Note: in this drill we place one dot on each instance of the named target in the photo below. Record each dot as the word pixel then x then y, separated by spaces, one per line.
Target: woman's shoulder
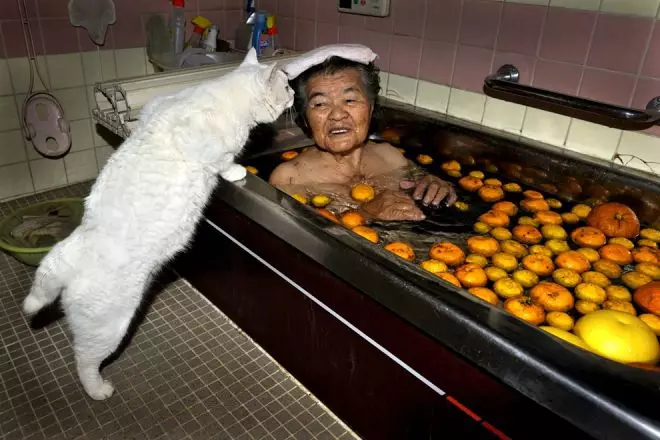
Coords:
pixel 290 172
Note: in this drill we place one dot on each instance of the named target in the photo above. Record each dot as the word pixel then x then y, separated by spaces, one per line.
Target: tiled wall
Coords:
pixel 71 64
pixel 439 51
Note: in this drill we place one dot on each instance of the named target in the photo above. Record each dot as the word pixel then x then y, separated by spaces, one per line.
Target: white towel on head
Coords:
pixel 354 52
pixel 93 15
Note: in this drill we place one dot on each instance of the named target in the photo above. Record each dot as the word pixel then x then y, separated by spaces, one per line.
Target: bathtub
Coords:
pixel 390 349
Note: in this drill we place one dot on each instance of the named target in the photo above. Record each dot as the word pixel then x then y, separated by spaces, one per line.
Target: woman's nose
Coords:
pixel 337 112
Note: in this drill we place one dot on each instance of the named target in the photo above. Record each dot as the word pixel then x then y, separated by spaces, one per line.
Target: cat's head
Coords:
pixel 272 88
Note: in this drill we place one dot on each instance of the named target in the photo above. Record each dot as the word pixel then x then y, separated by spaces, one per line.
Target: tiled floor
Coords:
pixel 188 373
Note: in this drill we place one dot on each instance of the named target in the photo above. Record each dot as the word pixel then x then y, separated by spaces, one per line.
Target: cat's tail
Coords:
pixel 49 280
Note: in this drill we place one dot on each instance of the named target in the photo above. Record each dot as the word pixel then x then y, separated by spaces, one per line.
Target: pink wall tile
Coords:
pixel 326 33
pixel 306 9
pixel 652 61
pixel 408 17
pixel 270 6
pixel 472 65
pixel 14 41
pixel 611 87
pixel 559 77
pixel 234 18
pixel 520 29
pixel 442 20
pixel 437 63
pixel 619 42
pixel 479 23
pixel 381 44
pixel 286 31
pixel 405 55
pixel 305 35
pixel 235 4
pixel 646 90
pixel 128 32
pixel 380 24
pixel 2 47
pixel 216 17
pixel 8 10
pixel 51 8
pixel 59 36
pixel 350 35
pixel 326 12
pixel 566 35
pixel 352 20
pixel 286 8
pixel 207 5
pixel 524 63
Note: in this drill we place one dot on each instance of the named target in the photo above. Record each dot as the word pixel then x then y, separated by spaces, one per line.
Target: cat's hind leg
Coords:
pixel 98 328
pixel 49 280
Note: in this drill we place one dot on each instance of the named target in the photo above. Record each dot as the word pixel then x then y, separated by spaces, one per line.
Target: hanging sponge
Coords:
pixel 93 15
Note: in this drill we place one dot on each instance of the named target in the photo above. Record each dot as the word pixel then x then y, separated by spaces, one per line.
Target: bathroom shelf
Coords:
pixel 504 85
pixel 118 103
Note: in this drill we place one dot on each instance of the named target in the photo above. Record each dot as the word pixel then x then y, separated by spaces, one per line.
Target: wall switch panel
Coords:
pixel 376 8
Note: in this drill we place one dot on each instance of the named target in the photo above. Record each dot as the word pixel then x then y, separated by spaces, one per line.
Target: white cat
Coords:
pixel 146 203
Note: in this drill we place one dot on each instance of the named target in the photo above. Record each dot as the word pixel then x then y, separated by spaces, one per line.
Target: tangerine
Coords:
pixel 548 218
pixel 552 297
pixel 433 266
pixel 352 219
pixel 450 278
pixel 485 294
pixel 573 260
pixel 471 275
pixel 609 268
pixel 527 234
pixel 506 207
pixel 525 309
pixel 327 214
pixel 482 245
pixel 491 193
pixel 532 195
pixel 511 187
pixel 617 253
pixel 448 253
pixel 401 249
pixel 534 205
pixel 495 219
pixel 508 288
pixel 288 155
pixel 367 233
pixel 424 159
pixel 363 192
pixel 586 236
pixel 570 218
pixel 539 264
pixel 470 183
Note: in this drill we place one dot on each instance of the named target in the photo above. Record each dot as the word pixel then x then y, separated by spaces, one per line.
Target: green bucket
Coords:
pixel 28 234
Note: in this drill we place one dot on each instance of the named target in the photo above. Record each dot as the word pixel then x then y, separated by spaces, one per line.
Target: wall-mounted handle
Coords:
pixel 504 85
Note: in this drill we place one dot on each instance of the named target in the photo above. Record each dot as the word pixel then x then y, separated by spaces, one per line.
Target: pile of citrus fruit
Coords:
pixel 589 275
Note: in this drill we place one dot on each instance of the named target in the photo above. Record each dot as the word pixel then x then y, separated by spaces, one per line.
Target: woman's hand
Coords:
pixel 393 205
pixel 431 190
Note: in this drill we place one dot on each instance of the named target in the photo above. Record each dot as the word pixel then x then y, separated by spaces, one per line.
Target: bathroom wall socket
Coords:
pixel 376 8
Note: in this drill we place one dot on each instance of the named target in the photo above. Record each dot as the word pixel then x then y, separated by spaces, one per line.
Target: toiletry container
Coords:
pixel 178 25
pixel 211 37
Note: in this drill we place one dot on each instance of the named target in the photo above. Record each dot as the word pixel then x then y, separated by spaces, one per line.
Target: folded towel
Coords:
pixel 354 52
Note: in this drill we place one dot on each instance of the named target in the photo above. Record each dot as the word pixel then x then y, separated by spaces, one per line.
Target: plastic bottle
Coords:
pixel 178 25
pixel 211 37
pixel 272 31
pixel 258 28
pixel 201 25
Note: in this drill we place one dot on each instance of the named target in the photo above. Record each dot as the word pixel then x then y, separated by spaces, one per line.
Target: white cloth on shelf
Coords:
pixel 353 52
pixel 93 15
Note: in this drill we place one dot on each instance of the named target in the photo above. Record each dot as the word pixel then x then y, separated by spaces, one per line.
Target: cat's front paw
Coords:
pixel 234 173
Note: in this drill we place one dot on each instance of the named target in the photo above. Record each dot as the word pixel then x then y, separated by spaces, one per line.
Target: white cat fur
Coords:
pixel 146 203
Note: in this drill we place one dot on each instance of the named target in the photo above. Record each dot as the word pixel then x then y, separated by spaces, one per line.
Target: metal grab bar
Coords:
pixel 504 85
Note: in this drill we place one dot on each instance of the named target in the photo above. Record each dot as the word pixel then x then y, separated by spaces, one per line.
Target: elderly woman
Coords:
pixel 334 101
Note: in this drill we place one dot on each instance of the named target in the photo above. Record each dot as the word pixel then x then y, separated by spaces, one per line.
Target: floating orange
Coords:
pixel 352 219
pixel 527 234
pixel 525 309
pixel 490 193
pixel 471 275
pixel 506 207
pixel 553 297
pixel 573 260
pixel 366 232
pixel 617 253
pixel 587 236
pixel 470 183
pixel 482 245
pixel 534 205
pixel 548 218
pixel 288 155
pixel 401 249
pixel 363 192
pixel 533 195
pixel 614 220
pixel 449 277
pixel 485 294
pixel 645 255
pixel 448 253
pixel 495 219
pixel 327 214
pixel 539 264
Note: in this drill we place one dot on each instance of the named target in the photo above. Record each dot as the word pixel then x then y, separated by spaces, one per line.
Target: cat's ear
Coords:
pixel 250 58
pixel 267 71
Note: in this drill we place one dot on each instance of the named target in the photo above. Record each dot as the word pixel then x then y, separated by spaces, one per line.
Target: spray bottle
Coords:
pixel 178 25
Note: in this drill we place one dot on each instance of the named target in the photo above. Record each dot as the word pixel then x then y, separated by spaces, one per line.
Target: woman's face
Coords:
pixel 338 111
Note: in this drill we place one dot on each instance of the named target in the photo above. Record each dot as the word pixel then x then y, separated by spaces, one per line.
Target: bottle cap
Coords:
pixel 270 21
pixel 179 3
